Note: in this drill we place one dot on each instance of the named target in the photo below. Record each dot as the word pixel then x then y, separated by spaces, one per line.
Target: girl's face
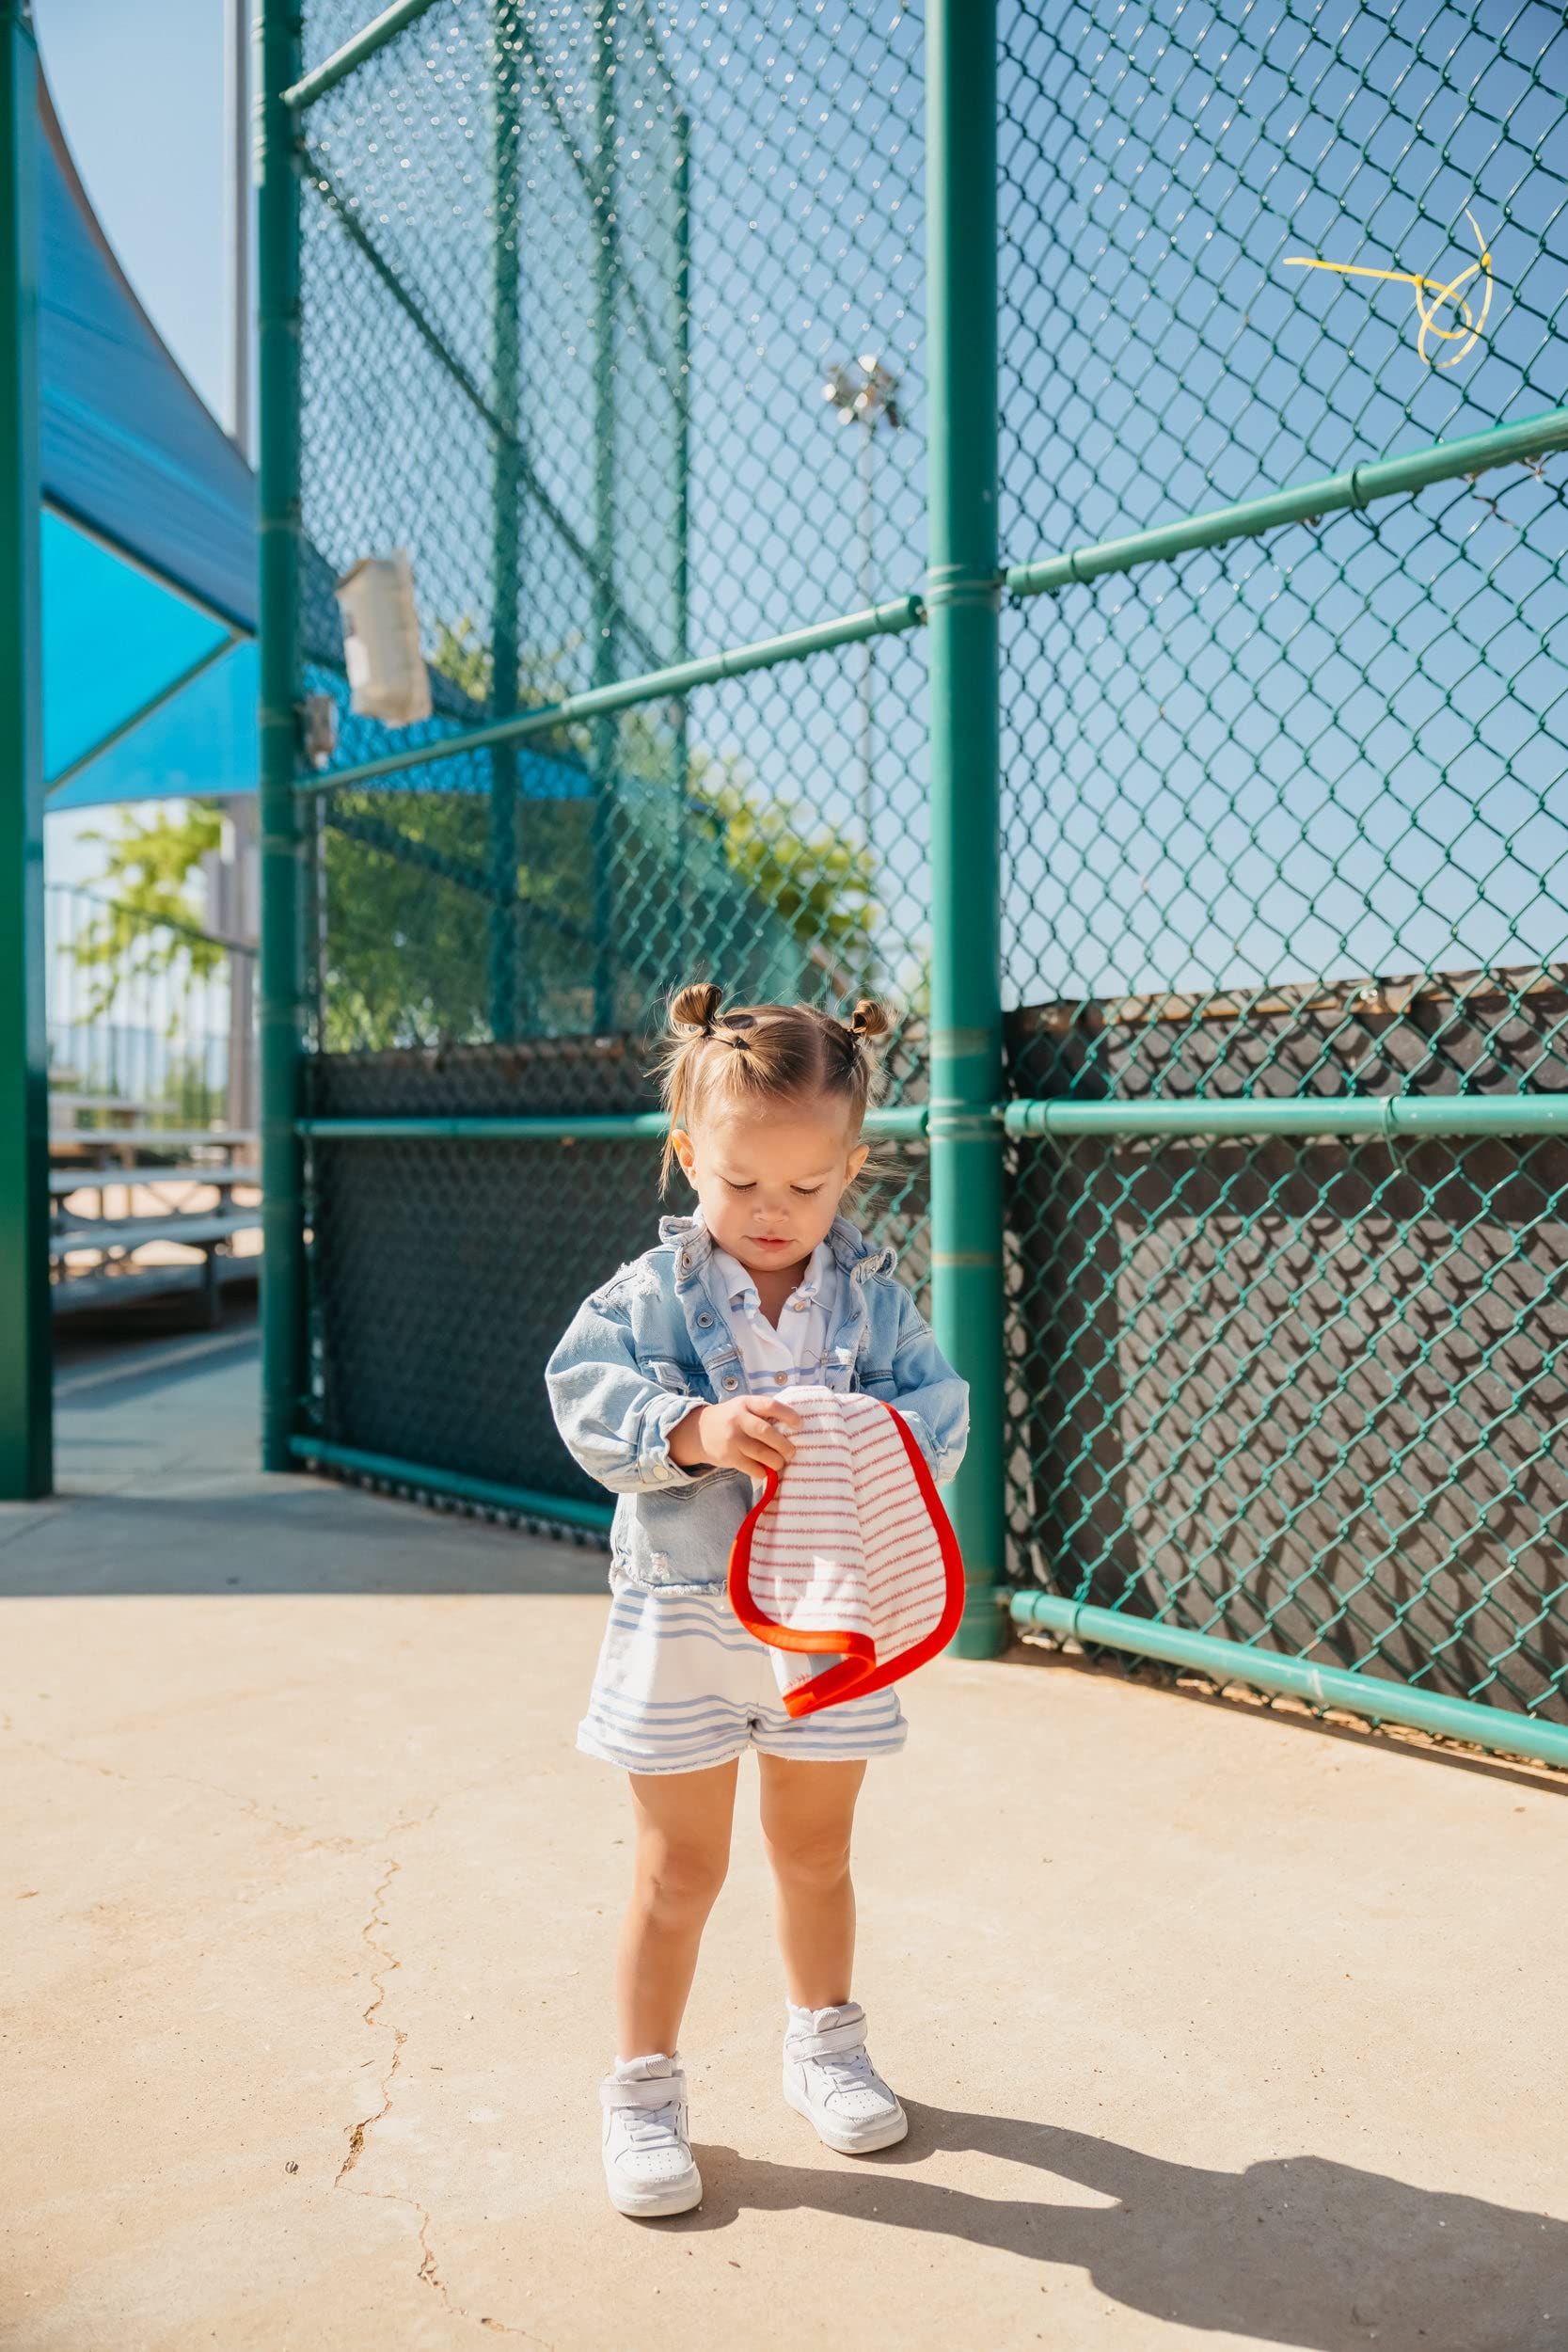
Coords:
pixel 769 1180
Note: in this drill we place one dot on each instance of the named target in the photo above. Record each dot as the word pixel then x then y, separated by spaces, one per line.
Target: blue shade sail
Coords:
pixel 129 449
pixel 201 744
pixel 115 640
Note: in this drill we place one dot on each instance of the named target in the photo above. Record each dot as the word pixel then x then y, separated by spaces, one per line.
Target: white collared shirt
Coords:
pixel 773 1355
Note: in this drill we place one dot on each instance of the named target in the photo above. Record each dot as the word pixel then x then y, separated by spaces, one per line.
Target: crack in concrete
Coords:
pixel 428 2273
pixel 390 1961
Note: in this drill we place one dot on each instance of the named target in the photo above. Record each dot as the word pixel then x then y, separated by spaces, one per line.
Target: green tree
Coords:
pixel 148 924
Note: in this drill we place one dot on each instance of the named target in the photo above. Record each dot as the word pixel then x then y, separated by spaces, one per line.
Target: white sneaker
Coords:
pixel 648 2164
pixel 830 2079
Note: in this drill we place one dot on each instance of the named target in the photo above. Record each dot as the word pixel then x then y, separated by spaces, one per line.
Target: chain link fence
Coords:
pixel 1286 819
pixel 577 281
pixel 614 317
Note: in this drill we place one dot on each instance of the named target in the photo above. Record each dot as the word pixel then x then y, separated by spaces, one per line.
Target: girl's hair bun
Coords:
pixel 692 1007
pixel 752 1055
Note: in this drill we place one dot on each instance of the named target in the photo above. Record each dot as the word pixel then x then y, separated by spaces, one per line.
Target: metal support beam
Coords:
pixel 284 1295
pixel 236 63
pixel 26 1451
pixel 604 734
pixel 961 602
pixel 571 147
pixel 566 1511
pixel 905 1125
pixel 505 380
pixel 796 644
pixel 1397 1115
pixel 343 61
pixel 1379 478
pixel 1495 1727
pixel 681 390
pixel 1255 1117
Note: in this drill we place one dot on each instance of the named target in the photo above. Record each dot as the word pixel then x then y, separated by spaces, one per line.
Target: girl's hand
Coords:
pixel 750 1434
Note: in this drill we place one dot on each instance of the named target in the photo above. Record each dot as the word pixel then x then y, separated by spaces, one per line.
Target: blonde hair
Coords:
pixel 756 1053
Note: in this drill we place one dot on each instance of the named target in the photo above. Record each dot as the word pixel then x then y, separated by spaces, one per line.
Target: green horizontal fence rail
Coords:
pixel 1216 863
pixel 1351 492
pixel 649 1126
pixel 1395 1114
pixel 680 677
pixel 417 1478
pixel 1258 1116
pixel 1322 1687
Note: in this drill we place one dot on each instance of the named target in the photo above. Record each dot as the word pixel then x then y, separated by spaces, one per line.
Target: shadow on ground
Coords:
pixel 1300 2251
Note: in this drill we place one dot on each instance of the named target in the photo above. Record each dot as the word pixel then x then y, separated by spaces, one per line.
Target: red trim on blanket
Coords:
pixel 858 1674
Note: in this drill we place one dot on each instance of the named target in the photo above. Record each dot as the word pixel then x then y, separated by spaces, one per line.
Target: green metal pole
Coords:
pixel 527 1502
pixel 353 52
pixel 283 1303
pixel 605 652
pixel 26 1444
pixel 1375 478
pixel 1495 1727
pixel 796 644
pixel 505 367
pixel 906 1124
pixel 962 598
pixel 681 392
pixel 1384 1116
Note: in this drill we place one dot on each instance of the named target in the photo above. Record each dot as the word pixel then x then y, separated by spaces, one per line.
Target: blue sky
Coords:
pixel 140 92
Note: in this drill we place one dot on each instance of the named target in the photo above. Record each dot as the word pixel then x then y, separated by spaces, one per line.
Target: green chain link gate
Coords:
pixel 835 453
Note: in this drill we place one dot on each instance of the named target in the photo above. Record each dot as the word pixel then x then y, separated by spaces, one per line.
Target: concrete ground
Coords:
pixel 1213 2026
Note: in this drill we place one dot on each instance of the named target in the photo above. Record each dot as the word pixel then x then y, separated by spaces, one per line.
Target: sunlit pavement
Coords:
pixel 1213 2027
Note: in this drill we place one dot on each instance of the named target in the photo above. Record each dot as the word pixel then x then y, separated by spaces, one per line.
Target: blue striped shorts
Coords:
pixel 682 1685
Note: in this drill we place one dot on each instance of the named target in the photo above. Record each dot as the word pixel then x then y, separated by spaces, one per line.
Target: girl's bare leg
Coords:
pixel 683 1848
pixel 808 1812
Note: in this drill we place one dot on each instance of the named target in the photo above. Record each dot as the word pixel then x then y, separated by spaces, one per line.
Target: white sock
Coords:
pixel 644 2070
pixel 804 2020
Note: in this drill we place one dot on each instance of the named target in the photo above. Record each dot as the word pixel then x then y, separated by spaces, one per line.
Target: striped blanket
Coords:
pixel 846 1565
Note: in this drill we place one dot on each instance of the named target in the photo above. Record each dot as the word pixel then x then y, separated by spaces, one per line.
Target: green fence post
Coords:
pixel 604 732
pixel 26 1446
pixel 962 598
pixel 504 392
pixel 681 392
pixel 282 1191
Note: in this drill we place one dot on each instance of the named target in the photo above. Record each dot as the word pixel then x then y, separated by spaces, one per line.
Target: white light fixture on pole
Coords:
pixel 865 392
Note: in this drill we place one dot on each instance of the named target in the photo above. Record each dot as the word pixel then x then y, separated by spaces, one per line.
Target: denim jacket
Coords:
pixel 656 1341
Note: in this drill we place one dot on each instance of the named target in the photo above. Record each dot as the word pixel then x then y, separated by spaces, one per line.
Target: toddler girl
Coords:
pixel 664 1389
